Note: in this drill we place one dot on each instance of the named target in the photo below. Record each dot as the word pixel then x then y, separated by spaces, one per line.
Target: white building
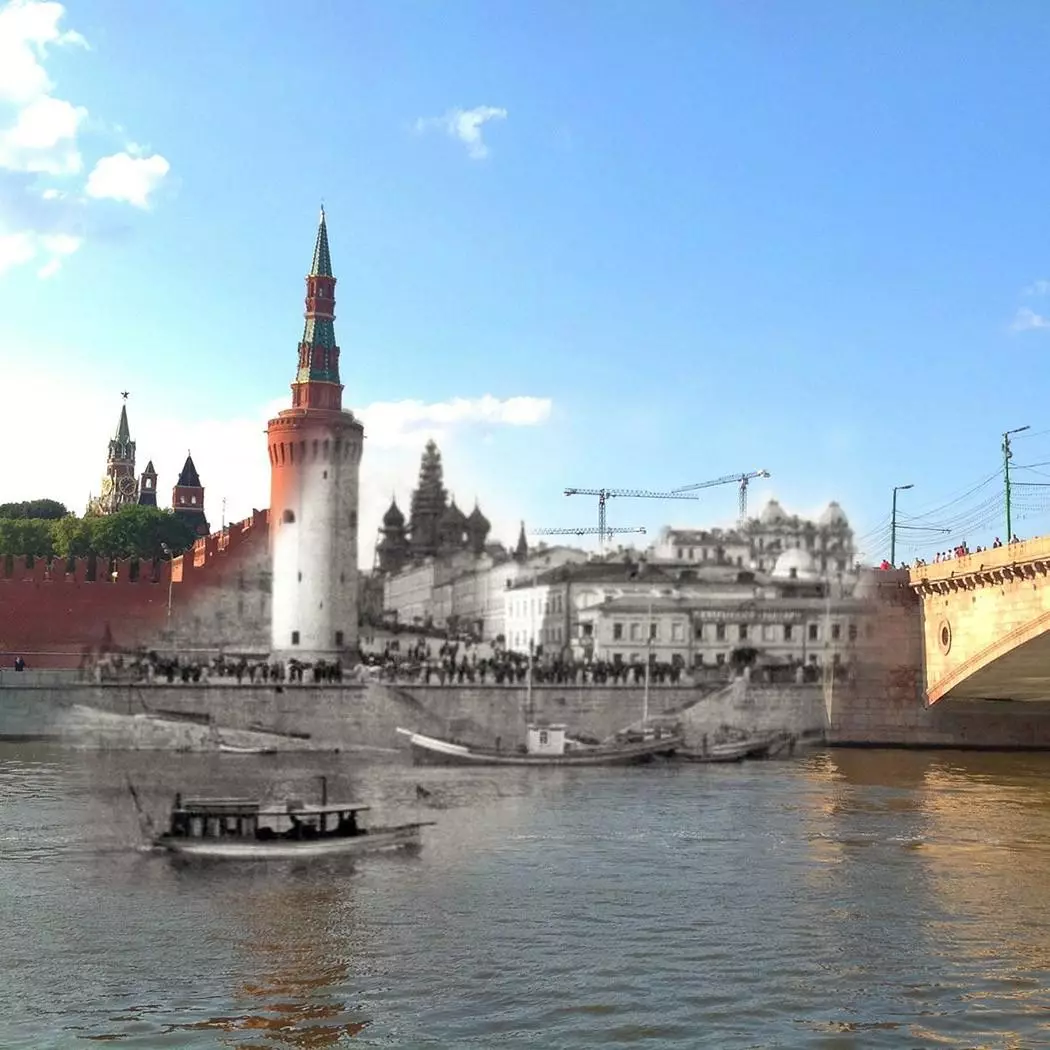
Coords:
pixel 466 591
pixel 604 612
pixel 758 543
pixel 315 454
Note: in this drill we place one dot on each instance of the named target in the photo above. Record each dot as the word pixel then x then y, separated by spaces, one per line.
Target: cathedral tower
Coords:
pixel 315 454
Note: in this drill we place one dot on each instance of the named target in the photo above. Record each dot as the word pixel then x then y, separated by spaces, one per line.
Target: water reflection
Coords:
pixel 301 933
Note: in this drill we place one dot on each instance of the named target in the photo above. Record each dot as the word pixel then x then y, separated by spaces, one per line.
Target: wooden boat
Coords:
pixel 233 749
pixel 728 750
pixel 245 829
pixel 546 745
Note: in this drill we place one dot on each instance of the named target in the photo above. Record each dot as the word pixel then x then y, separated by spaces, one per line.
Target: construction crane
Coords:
pixel 587 530
pixel 741 479
pixel 604 495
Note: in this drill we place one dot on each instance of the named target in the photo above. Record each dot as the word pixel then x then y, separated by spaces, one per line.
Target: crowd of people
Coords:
pixel 427 662
pixel 960 551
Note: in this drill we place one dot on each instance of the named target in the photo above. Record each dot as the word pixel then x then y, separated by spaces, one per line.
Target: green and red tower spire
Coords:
pixel 317 383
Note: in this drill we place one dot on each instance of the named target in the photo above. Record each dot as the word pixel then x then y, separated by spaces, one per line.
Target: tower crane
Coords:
pixel 741 479
pixel 604 495
pixel 585 531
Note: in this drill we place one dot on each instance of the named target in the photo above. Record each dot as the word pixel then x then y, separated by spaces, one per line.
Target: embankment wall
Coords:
pixel 369 714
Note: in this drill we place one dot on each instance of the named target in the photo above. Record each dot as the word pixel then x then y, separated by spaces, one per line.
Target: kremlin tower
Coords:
pixel 315 454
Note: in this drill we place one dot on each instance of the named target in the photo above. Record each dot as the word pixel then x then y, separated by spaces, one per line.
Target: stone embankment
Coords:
pixel 354 716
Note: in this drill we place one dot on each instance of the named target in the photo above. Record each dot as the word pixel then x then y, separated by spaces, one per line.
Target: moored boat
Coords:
pixel 728 750
pixel 546 745
pixel 245 829
pixel 234 749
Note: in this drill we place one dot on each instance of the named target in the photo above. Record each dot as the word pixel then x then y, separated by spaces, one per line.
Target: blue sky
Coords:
pixel 698 238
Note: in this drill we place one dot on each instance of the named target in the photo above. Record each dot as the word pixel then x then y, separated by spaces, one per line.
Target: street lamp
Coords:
pixel 171 557
pixel 893 524
pixel 1007 456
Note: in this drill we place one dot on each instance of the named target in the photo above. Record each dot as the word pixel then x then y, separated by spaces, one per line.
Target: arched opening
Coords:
pixel 288 517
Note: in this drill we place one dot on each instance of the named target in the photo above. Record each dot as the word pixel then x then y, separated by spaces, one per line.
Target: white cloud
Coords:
pixel 122 177
pixel 465 125
pixel 39 133
pixel 1028 320
pixel 43 138
pixel 27 246
pixel 230 454
pixel 27 30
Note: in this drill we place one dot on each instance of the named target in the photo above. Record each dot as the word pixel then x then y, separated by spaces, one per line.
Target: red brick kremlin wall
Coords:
pixel 220 593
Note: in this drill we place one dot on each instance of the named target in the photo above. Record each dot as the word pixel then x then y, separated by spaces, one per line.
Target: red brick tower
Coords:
pixel 187 497
pixel 315 453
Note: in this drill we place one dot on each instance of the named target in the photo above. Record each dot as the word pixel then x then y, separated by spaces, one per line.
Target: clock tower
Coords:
pixel 119 485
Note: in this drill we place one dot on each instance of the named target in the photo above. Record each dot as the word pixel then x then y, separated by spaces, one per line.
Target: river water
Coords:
pixel 841 899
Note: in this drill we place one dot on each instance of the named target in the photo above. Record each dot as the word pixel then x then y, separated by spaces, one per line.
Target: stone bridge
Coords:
pixel 986 624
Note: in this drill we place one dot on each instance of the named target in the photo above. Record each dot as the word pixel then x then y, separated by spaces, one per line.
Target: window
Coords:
pixel 652 631
pixel 295 637
pixel 720 659
pixel 836 631
pixel 680 553
pixel 288 517
pixel 543 736
pixel 339 639
pixel 677 632
pixel 852 632
pixel 617 632
pixel 788 631
pixel 812 632
pixel 720 632
pixel 743 632
pixel 636 631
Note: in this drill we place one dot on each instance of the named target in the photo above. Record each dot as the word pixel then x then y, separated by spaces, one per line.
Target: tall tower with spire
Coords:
pixel 119 485
pixel 315 456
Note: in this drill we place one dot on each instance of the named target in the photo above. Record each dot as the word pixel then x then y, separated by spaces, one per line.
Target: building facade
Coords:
pixel 315 454
pixel 760 541
pixel 622 612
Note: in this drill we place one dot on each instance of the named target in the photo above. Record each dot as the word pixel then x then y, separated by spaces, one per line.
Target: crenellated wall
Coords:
pixel 54 613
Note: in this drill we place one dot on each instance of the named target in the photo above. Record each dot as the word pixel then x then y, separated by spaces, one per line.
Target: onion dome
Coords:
pixel 477 522
pixel 393 518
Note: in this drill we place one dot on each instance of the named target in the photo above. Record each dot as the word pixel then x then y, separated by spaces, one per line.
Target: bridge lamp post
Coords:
pixel 1007 456
pixel 893 523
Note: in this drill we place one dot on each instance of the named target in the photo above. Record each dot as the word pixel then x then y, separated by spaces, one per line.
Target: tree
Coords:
pixel 140 532
pixel 30 536
pixel 133 532
pixel 44 509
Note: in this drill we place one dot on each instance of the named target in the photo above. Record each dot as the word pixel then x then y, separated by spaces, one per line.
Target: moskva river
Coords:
pixel 841 899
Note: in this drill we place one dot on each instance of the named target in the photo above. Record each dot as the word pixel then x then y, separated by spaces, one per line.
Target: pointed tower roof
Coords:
pixel 189 478
pixel 322 264
pixel 393 518
pixel 149 468
pixel 123 430
pixel 522 549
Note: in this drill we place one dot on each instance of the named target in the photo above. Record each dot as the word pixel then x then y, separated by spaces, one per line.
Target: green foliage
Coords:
pixel 43 509
pixel 134 532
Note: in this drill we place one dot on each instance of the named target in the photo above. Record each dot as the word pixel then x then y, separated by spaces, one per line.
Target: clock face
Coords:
pixel 107 486
pixel 127 486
